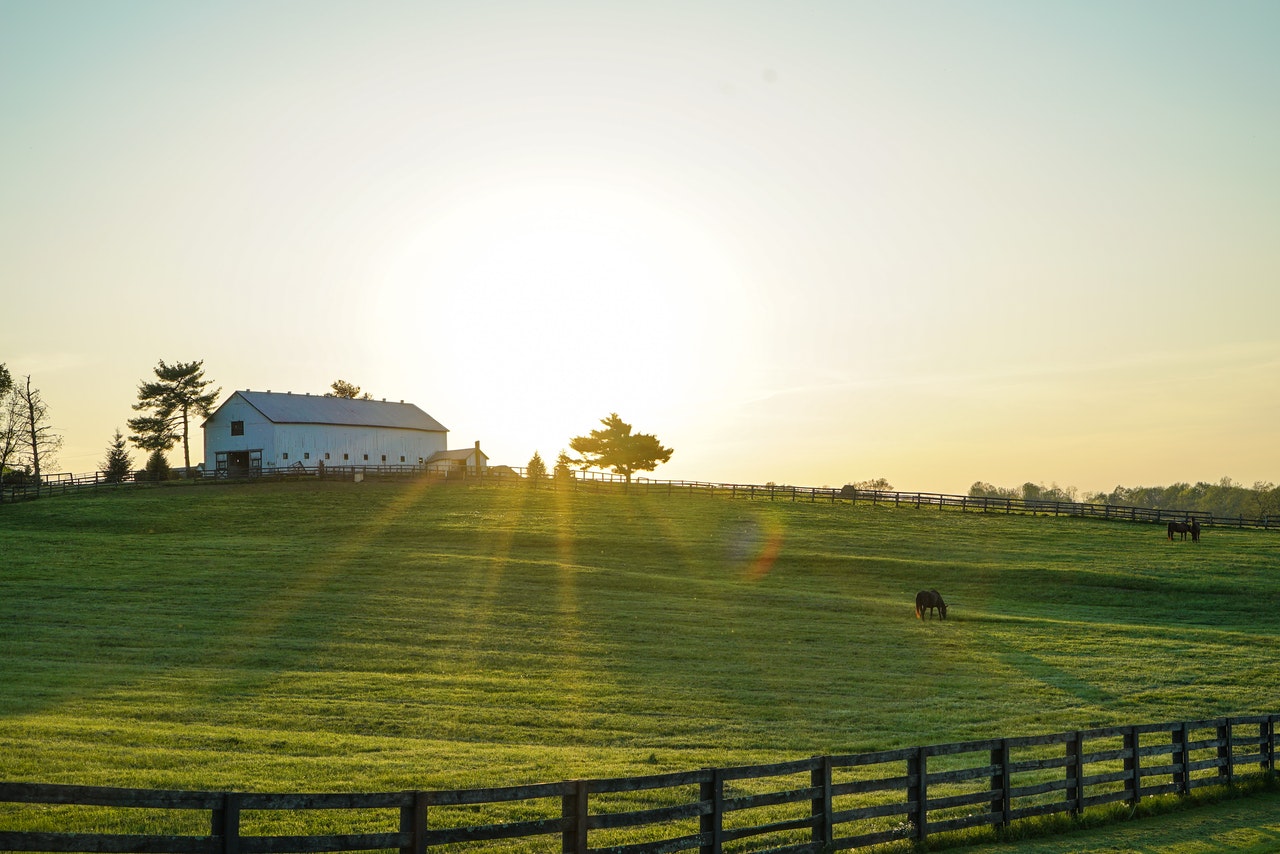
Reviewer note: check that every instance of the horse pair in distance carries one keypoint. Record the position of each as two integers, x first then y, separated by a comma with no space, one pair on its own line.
1184,528
931,601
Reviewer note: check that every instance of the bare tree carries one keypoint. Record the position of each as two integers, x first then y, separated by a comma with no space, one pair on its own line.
36,438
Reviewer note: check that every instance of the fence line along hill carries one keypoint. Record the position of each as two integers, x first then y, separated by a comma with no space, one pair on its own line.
61,484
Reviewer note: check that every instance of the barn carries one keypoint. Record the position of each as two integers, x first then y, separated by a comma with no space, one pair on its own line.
262,431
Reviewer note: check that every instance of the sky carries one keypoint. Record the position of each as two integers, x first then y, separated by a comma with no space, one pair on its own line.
810,243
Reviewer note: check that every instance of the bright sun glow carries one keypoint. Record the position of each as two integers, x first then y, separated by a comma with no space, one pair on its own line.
591,299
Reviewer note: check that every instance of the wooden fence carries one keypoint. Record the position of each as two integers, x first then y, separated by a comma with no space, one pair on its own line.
820,804
66,483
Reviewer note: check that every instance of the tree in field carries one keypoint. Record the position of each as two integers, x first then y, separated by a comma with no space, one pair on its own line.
1267,497
35,439
157,466
536,470
9,420
616,448
178,394
564,467
878,484
117,466
342,388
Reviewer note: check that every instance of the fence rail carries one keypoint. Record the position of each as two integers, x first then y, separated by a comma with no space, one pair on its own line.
824,803
59,484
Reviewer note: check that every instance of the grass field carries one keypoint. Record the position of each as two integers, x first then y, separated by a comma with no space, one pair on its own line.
377,637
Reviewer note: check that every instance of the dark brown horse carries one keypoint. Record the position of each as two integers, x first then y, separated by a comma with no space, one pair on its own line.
930,600
1195,530
1182,528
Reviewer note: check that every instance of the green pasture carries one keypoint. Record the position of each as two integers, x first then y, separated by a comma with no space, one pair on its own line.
335,637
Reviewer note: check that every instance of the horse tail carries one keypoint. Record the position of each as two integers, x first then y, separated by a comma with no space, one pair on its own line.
918,617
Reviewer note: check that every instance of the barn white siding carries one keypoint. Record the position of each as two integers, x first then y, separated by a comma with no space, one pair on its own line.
266,431
344,445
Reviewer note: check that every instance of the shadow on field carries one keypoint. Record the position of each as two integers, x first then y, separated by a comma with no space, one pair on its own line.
1036,668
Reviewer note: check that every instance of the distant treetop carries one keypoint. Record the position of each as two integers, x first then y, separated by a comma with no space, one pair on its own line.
342,388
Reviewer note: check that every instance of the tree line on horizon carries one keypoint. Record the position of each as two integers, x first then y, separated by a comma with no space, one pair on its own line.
180,392
1223,499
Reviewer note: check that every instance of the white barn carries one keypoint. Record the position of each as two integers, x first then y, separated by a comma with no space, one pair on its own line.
262,431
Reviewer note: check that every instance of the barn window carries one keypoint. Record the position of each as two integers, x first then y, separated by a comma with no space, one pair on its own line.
402,459
346,457
286,455
237,428
326,455
306,455
366,458
384,458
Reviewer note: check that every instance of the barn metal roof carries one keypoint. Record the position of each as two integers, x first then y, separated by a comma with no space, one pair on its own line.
285,408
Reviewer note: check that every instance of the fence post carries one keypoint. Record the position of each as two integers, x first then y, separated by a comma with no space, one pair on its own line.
1075,772
1133,764
573,808
413,821
1269,745
1181,776
1000,783
226,824
820,778
1226,757
711,824
918,768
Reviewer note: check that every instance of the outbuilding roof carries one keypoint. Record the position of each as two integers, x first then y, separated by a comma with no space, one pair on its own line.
288,408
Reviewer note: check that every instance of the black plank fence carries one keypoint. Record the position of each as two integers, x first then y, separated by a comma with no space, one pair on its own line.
61,484
823,803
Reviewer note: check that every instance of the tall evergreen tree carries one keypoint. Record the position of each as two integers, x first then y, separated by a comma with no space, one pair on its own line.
178,394
117,465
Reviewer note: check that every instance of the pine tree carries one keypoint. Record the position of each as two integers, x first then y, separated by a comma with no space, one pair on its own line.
157,466
117,465
178,395
564,467
536,470
616,448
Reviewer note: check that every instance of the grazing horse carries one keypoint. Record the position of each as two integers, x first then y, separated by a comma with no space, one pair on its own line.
1195,530
1182,528
930,600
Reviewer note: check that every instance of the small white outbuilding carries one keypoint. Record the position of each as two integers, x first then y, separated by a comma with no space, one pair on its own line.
262,431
